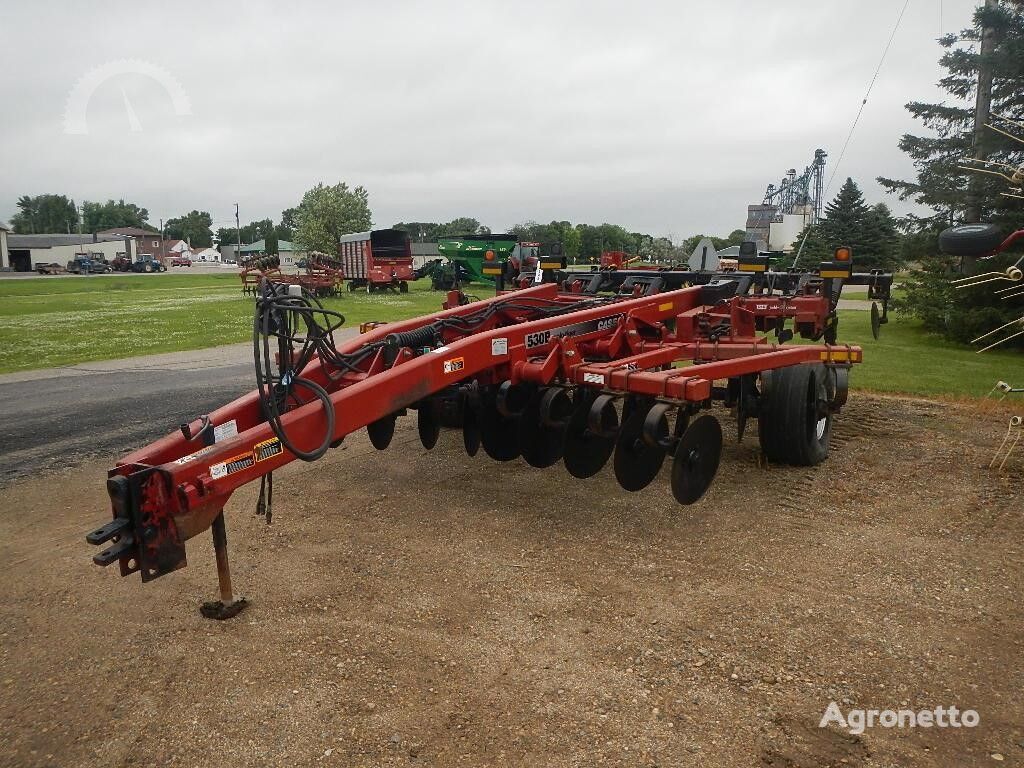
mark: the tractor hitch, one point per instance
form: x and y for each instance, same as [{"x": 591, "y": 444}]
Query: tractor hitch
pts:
[{"x": 143, "y": 536}]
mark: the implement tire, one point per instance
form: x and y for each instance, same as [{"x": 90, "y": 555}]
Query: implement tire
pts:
[{"x": 795, "y": 423}]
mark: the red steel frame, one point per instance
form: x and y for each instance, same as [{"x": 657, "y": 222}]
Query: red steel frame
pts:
[{"x": 628, "y": 346}]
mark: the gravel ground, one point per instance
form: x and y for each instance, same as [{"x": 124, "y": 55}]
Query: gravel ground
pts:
[{"x": 453, "y": 611}]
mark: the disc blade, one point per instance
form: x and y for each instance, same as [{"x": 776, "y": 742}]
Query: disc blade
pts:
[
  {"x": 541, "y": 446},
  {"x": 636, "y": 462},
  {"x": 697, "y": 457},
  {"x": 498, "y": 434},
  {"x": 470, "y": 431},
  {"x": 583, "y": 452},
  {"x": 381, "y": 432},
  {"x": 876, "y": 320},
  {"x": 428, "y": 424}
]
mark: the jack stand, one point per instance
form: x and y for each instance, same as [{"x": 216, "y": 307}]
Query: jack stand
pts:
[{"x": 227, "y": 606}]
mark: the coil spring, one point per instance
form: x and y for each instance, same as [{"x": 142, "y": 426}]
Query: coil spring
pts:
[{"x": 420, "y": 337}]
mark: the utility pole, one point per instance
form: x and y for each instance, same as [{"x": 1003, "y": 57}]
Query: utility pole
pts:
[
  {"x": 238, "y": 237},
  {"x": 160, "y": 255},
  {"x": 982, "y": 109}
]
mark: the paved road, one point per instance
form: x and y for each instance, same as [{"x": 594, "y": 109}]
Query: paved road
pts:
[{"x": 62, "y": 417}]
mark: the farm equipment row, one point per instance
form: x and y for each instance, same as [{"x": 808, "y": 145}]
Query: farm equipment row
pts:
[
  {"x": 577, "y": 368},
  {"x": 321, "y": 277}
]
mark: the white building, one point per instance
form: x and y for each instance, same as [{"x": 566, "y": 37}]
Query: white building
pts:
[
  {"x": 206, "y": 254},
  {"x": 22, "y": 253}
]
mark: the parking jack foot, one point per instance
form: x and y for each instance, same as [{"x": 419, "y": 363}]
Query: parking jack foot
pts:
[{"x": 228, "y": 606}]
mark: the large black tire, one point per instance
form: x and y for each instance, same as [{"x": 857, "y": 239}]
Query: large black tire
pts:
[
  {"x": 148, "y": 267},
  {"x": 970, "y": 240},
  {"x": 795, "y": 423}
]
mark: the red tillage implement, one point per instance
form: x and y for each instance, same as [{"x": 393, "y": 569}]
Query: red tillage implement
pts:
[{"x": 580, "y": 368}]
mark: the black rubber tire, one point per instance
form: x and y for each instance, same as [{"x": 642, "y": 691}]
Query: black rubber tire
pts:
[
  {"x": 148, "y": 268},
  {"x": 792, "y": 402},
  {"x": 403, "y": 287},
  {"x": 970, "y": 240}
]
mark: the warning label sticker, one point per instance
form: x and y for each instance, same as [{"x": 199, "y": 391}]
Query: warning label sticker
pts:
[
  {"x": 267, "y": 449},
  {"x": 499, "y": 347},
  {"x": 194, "y": 456},
  {"x": 454, "y": 365},
  {"x": 593, "y": 378},
  {"x": 225, "y": 430},
  {"x": 232, "y": 465}
]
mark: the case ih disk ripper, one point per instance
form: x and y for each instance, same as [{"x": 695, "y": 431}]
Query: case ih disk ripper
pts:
[{"x": 579, "y": 368}]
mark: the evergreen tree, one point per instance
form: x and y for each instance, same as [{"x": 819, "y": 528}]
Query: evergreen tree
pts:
[
  {"x": 869, "y": 231},
  {"x": 940, "y": 185}
]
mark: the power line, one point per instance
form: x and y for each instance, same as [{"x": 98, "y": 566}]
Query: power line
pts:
[{"x": 871, "y": 85}]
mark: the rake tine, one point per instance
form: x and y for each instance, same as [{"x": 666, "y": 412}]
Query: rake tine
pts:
[
  {"x": 986, "y": 170},
  {"x": 1005, "y": 133},
  {"x": 990, "y": 277},
  {"x": 1015, "y": 421},
  {"x": 1009, "y": 120},
  {"x": 994, "y": 330},
  {"x": 1002, "y": 341},
  {"x": 999, "y": 450},
  {"x": 1010, "y": 450}
]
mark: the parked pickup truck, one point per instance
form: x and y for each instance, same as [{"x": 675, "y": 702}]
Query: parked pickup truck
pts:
[{"x": 181, "y": 261}]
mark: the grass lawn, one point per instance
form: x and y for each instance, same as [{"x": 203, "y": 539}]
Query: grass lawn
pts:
[
  {"x": 49, "y": 322},
  {"x": 906, "y": 359}
]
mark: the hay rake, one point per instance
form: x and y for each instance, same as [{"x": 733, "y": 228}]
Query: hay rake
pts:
[{"x": 578, "y": 368}]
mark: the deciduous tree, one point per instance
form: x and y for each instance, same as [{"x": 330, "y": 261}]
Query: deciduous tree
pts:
[
  {"x": 328, "y": 212},
  {"x": 41, "y": 214}
]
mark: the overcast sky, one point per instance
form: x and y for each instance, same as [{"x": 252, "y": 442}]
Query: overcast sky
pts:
[{"x": 668, "y": 117}]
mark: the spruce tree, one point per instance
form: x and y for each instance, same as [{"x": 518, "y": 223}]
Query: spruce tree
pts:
[
  {"x": 849, "y": 221},
  {"x": 940, "y": 185}
]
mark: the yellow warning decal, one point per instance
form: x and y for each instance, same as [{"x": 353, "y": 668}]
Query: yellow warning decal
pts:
[
  {"x": 835, "y": 273},
  {"x": 491, "y": 270},
  {"x": 752, "y": 267},
  {"x": 668, "y": 306},
  {"x": 267, "y": 449},
  {"x": 841, "y": 356}
]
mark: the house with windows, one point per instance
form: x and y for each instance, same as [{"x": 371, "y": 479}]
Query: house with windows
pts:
[{"x": 146, "y": 240}]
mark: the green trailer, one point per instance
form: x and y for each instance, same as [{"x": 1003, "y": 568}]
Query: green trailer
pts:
[{"x": 469, "y": 252}]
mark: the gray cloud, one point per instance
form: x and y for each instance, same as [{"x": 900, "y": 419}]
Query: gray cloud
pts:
[{"x": 667, "y": 117}]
